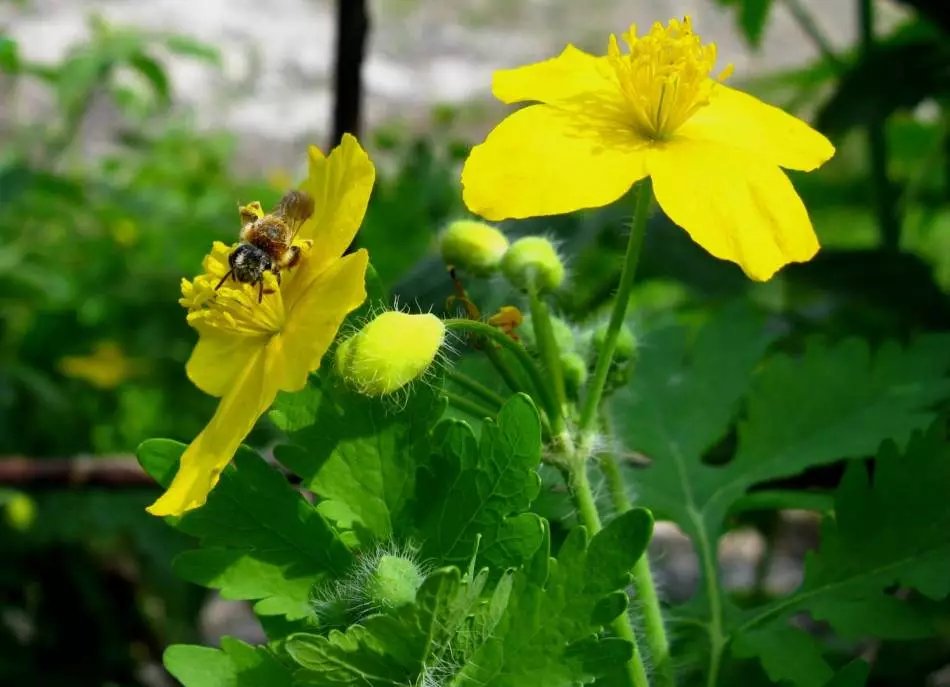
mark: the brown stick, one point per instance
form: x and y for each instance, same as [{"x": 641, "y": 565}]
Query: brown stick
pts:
[{"x": 105, "y": 471}]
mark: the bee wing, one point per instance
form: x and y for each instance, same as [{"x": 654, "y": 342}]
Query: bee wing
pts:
[{"x": 295, "y": 208}]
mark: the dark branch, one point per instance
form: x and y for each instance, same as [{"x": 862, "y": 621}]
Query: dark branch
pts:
[{"x": 351, "y": 30}]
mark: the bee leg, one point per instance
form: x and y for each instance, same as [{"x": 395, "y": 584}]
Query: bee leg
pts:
[
  {"x": 223, "y": 279},
  {"x": 293, "y": 257},
  {"x": 277, "y": 274},
  {"x": 260, "y": 293}
]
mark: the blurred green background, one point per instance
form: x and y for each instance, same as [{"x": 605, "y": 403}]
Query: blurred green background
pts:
[{"x": 93, "y": 246}]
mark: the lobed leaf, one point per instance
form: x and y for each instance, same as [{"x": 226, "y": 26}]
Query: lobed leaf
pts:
[{"x": 260, "y": 540}]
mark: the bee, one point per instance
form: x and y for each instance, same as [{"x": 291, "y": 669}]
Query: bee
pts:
[{"x": 267, "y": 242}]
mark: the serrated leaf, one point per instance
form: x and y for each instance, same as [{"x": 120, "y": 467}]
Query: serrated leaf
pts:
[
  {"x": 236, "y": 664},
  {"x": 547, "y": 636},
  {"x": 855, "y": 674},
  {"x": 391, "y": 649},
  {"x": 891, "y": 531},
  {"x": 831, "y": 403},
  {"x": 483, "y": 487},
  {"x": 787, "y": 654},
  {"x": 260, "y": 539},
  {"x": 359, "y": 454}
]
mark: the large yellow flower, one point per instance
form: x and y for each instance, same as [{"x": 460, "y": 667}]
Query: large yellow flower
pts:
[
  {"x": 248, "y": 351},
  {"x": 714, "y": 153}
]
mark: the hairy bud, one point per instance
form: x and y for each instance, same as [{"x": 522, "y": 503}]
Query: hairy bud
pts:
[
  {"x": 390, "y": 352},
  {"x": 533, "y": 262},
  {"x": 473, "y": 246}
]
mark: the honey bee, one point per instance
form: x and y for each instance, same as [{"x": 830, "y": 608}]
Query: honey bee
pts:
[{"x": 267, "y": 242}]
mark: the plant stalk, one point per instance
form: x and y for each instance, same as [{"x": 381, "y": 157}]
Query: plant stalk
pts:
[
  {"x": 576, "y": 474},
  {"x": 595, "y": 390},
  {"x": 477, "y": 388},
  {"x": 649, "y": 602},
  {"x": 548, "y": 348},
  {"x": 473, "y": 408}
]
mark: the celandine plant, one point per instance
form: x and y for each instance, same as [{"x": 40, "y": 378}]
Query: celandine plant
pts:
[{"x": 410, "y": 553}]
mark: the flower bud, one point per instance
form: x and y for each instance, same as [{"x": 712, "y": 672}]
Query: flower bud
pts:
[
  {"x": 575, "y": 373},
  {"x": 532, "y": 262},
  {"x": 393, "y": 350},
  {"x": 563, "y": 334},
  {"x": 393, "y": 583},
  {"x": 626, "y": 342},
  {"x": 473, "y": 246}
]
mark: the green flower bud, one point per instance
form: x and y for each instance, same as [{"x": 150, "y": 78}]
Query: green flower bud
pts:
[
  {"x": 575, "y": 373},
  {"x": 563, "y": 334},
  {"x": 393, "y": 583},
  {"x": 533, "y": 261},
  {"x": 473, "y": 246},
  {"x": 390, "y": 352},
  {"x": 626, "y": 343}
]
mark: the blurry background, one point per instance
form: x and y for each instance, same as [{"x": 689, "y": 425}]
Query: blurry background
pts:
[{"x": 130, "y": 131}]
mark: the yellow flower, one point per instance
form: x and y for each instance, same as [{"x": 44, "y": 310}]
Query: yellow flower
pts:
[
  {"x": 714, "y": 153},
  {"x": 105, "y": 368},
  {"x": 248, "y": 351}
]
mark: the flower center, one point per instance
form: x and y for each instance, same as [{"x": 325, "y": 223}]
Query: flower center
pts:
[
  {"x": 665, "y": 78},
  {"x": 233, "y": 308}
]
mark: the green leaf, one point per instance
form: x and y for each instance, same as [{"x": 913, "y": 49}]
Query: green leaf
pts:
[
  {"x": 392, "y": 649},
  {"x": 183, "y": 45},
  {"x": 547, "y": 636},
  {"x": 260, "y": 539},
  {"x": 9, "y": 55},
  {"x": 153, "y": 72},
  {"x": 855, "y": 674},
  {"x": 236, "y": 664},
  {"x": 359, "y": 454},
  {"x": 892, "y": 530},
  {"x": 787, "y": 653},
  {"x": 471, "y": 488}
]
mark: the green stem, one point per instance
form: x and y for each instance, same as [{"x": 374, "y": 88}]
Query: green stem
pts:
[
  {"x": 509, "y": 378},
  {"x": 471, "y": 407},
  {"x": 882, "y": 190},
  {"x": 521, "y": 355},
  {"x": 644, "y": 194},
  {"x": 649, "y": 602},
  {"x": 483, "y": 392},
  {"x": 548, "y": 348},
  {"x": 587, "y": 514},
  {"x": 717, "y": 641}
]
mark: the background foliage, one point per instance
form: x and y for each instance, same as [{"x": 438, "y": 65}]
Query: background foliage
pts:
[{"x": 824, "y": 390}]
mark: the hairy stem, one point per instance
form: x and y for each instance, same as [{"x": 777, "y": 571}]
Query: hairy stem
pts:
[
  {"x": 492, "y": 334},
  {"x": 649, "y": 602},
  {"x": 548, "y": 348},
  {"x": 595, "y": 389},
  {"x": 576, "y": 473},
  {"x": 477, "y": 388},
  {"x": 473, "y": 408}
]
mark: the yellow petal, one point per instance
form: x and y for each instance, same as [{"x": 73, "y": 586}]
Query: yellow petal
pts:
[
  {"x": 219, "y": 357},
  {"x": 571, "y": 76},
  {"x": 244, "y": 402},
  {"x": 317, "y": 313},
  {"x": 545, "y": 161},
  {"x": 734, "y": 205},
  {"x": 737, "y": 119},
  {"x": 340, "y": 185}
]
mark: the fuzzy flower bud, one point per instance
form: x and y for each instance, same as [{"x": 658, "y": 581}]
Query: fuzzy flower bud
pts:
[
  {"x": 563, "y": 334},
  {"x": 393, "y": 350},
  {"x": 474, "y": 246},
  {"x": 533, "y": 261},
  {"x": 575, "y": 373},
  {"x": 626, "y": 342},
  {"x": 393, "y": 583}
]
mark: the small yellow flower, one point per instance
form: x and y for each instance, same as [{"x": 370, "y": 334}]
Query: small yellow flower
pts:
[
  {"x": 105, "y": 368},
  {"x": 392, "y": 351},
  {"x": 603, "y": 123},
  {"x": 248, "y": 351}
]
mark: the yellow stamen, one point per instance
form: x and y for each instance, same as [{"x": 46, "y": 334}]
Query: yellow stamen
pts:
[{"x": 666, "y": 77}]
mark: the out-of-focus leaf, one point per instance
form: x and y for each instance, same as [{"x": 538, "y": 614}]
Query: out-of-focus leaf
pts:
[
  {"x": 9, "y": 55},
  {"x": 153, "y": 72},
  {"x": 752, "y": 17}
]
